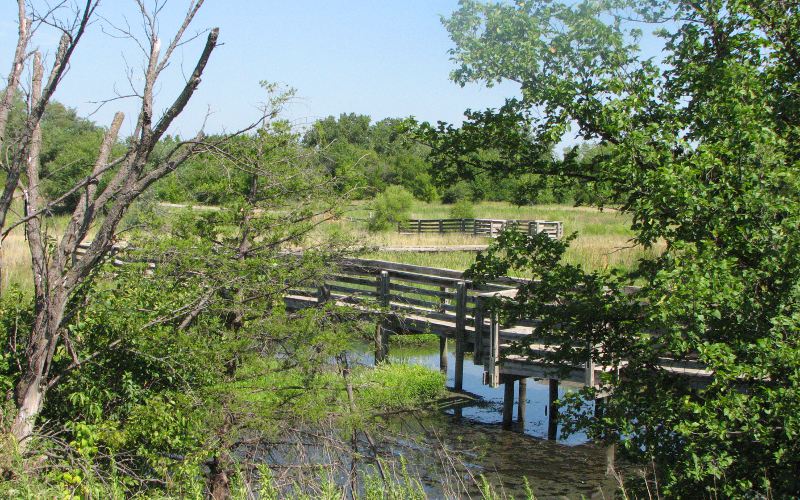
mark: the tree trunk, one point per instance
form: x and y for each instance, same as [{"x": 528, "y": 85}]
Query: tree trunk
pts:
[
  {"x": 219, "y": 482},
  {"x": 32, "y": 385}
]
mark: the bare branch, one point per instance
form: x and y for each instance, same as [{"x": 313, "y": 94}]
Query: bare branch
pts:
[{"x": 16, "y": 70}]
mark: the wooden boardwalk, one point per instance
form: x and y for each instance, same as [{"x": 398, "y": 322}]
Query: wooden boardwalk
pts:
[{"x": 408, "y": 299}]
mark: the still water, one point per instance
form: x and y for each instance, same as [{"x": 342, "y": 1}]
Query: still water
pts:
[{"x": 569, "y": 467}]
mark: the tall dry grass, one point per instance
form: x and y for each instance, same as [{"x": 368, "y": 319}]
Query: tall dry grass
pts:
[{"x": 16, "y": 256}]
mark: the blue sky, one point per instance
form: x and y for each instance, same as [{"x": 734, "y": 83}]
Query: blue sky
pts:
[{"x": 383, "y": 58}]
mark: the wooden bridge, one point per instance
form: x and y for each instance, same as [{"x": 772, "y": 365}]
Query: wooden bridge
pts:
[
  {"x": 481, "y": 227},
  {"x": 408, "y": 299}
]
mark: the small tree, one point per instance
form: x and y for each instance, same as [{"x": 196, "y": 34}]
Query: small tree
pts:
[
  {"x": 461, "y": 190},
  {"x": 390, "y": 208},
  {"x": 462, "y": 209}
]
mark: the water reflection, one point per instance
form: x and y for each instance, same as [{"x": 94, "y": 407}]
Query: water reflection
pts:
[{"x": 490, "y": 409}]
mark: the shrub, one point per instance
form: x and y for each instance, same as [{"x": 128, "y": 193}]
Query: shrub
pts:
[
  {"x": 390, "y": 207},
  {"x": 462, "y": 209},
  {"x": 459, "y": 191}
]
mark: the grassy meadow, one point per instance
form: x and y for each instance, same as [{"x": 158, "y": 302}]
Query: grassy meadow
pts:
[{"x": 603, "y": 241}]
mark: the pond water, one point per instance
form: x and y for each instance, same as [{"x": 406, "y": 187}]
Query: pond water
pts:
[{"x": 568, "y": 467}]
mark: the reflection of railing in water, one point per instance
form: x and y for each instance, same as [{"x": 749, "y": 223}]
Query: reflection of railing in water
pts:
[{"x": 481, "y": 227}]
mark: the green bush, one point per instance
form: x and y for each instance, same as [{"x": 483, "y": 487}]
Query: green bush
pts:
[
  {"x": 459, "y": 191},
  {"x": 390, "y": 207},
  {"x": 462, "y": 209}
]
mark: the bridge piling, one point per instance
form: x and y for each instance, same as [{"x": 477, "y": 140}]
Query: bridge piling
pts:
[
  {"x": 508, "y": 402},
  {"x": 522, "y": 403},
  {"x": 552, "y": 410},
  {"x": 478, "y": 324},
  {"x": 460, "y": 334},
  {"x": 381, "y": 343}
]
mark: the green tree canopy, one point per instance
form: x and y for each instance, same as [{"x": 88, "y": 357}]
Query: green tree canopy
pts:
[{"x": 699, "y": 143}]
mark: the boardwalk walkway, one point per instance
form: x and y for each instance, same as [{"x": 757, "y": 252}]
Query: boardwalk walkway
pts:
[{"x": 408, "y": 299}]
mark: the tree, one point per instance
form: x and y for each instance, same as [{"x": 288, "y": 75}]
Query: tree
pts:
[
  {"x": 701, "y": 150},
  {"x": 59, "y": 270},
  {"x": 390, "y": 208}
]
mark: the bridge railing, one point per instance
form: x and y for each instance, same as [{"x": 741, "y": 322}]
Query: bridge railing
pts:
[{"x": 481, "y": 227}]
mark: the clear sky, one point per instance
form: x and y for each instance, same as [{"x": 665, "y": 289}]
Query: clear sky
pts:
[{"x": 383, "y": 58}]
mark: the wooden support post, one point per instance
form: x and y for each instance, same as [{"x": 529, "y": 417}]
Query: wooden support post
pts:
[
  {"x": 441, "y": 226},
  {"x": 463, "y": 226},
  {"x": 522, "y": 403},
  {"x": 552, "y": 411},
  {"x": 443, "y": 354},
  {"x": 442, "y": 299},
  {"x": 323, "y": 294},
  {"x": 508, "y": 402},
  {"x": 599, "y": 403},
  {"x": 381, "y": 332},
  {"x": 383, "y": 288},
  {"x": 381, "y": 343},
  {"x": 477, "y": 356},
  {"x": 492, "y": 369},
  {"x": 461, "y": 330}
]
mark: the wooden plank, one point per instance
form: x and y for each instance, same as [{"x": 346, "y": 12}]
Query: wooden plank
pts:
[
  {"x": 352, "y": 279},
  {"x": 422, "y": 291},
  {"x": 402, "y": 299},
  {"x": 352, "y": 290},
  {"x": 378, "y": 265},
  {"x": 424, "y": 278}
]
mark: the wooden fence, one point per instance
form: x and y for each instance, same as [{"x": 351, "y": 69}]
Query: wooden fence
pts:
[{"x": 481, "y": 227}]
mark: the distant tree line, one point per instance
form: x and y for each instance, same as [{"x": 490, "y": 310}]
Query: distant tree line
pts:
[{"x": 364, "y": 157}]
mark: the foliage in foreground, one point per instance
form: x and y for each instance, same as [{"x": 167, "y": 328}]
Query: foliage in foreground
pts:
[{"x": 702, "y": 152}]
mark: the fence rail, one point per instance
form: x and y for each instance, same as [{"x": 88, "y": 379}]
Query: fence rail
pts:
[{"x": 481, "y": 227}]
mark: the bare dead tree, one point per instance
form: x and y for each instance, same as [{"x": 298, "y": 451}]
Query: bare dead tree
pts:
[
  {"x": 16, "y": 150},
  {"x": 60, "y": 269}
]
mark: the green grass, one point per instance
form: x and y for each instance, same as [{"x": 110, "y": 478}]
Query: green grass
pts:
[
  {"x": 422, "y": 339},
  {"x": 604, "y": 238}
]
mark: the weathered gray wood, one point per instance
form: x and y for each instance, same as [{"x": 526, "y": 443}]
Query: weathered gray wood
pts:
[
  {"x": 349, "y": 290},
  {"x": 383, "y": 288},
  {"x": 522, "y": 403},
  {"x": 323, "y": 293},
  {"x": 461, "y": 326},
  {"x": 441, "y": 293},
  {"x": 478, "y": 316},
  {"x": 355, "y": 280},
  {"x": 492, "y": 369},
  {"x": 381, "y": 343},
  {"x": 403, "y": 299}
]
